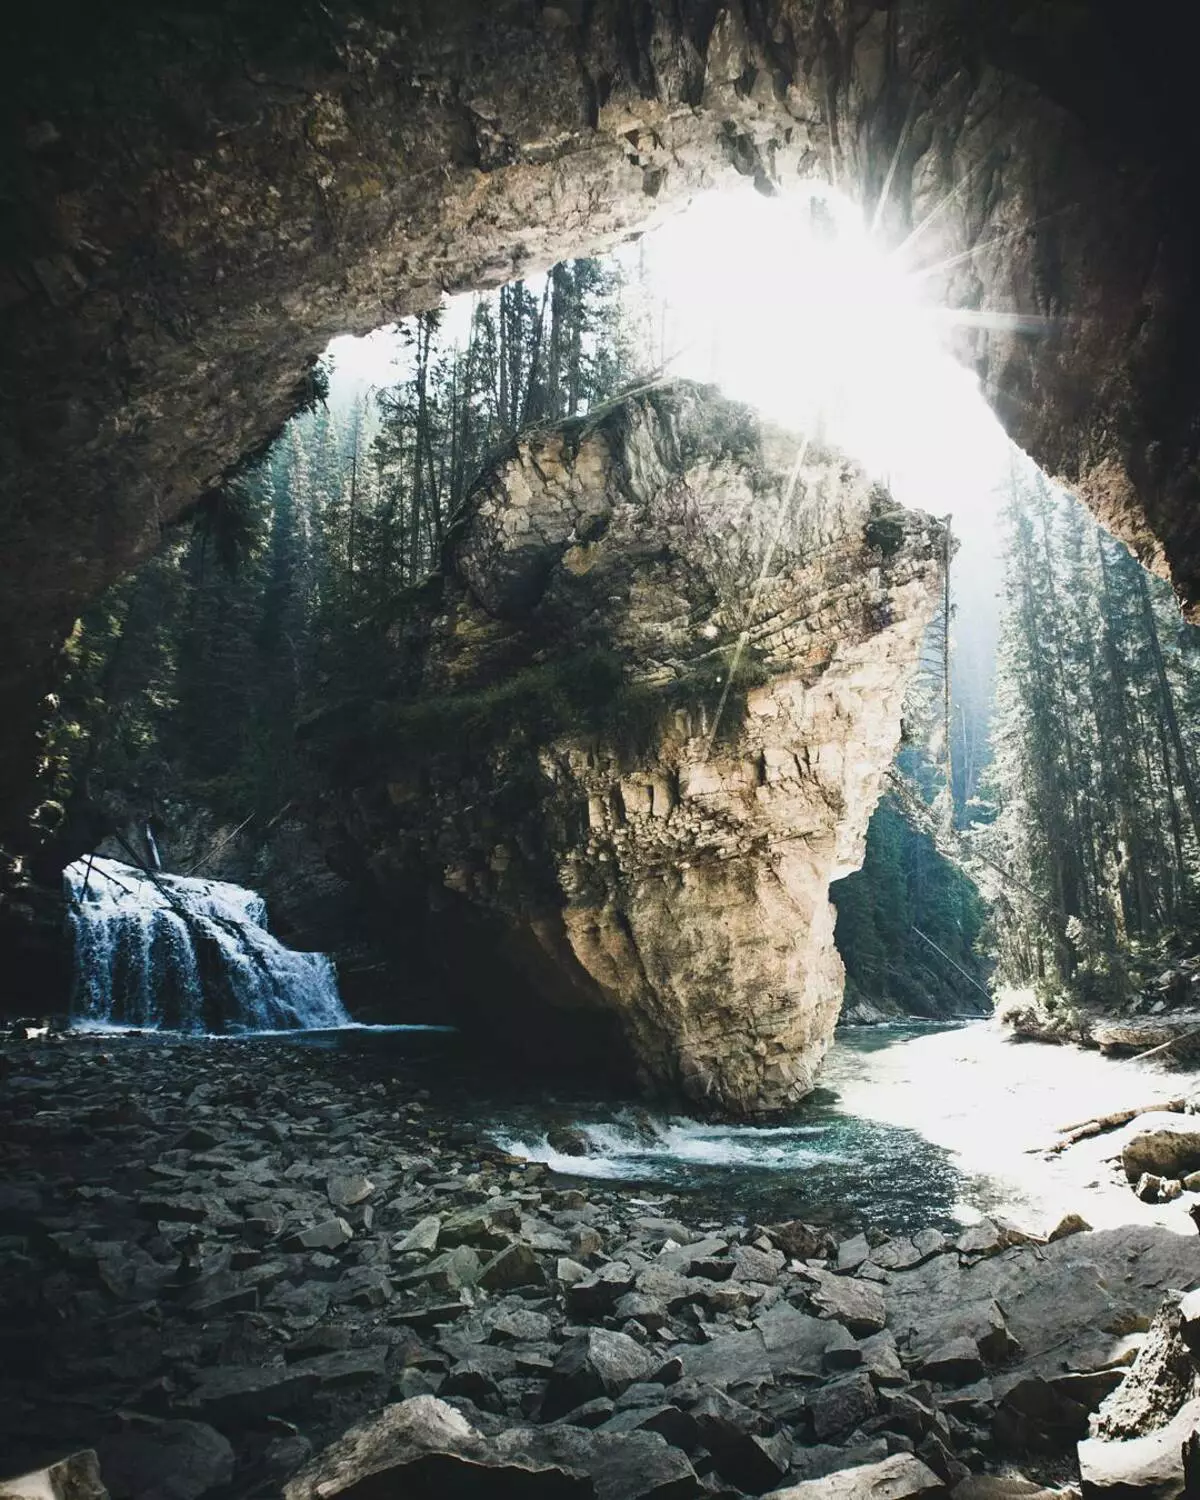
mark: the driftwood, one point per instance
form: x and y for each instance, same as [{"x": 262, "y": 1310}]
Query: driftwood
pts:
[{"x": 1081, "y": 1130}]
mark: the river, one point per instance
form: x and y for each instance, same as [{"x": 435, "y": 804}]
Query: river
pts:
[{"x": 912, "y": 1126}]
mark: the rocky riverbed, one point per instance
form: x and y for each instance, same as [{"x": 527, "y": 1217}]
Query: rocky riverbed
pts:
[{"x": 235, "y": 1267}]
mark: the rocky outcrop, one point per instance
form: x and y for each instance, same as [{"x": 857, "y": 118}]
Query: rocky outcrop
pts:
[
  {"x": 195, "y": 204},
  {"x": 649, "y": 713}
]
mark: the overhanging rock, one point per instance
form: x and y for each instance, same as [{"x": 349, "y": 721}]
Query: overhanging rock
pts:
[{"x": 639, "y": 726}]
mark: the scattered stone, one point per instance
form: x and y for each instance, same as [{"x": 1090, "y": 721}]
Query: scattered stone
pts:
[
  {"x": 901, "y": 1477},
  {"x": 955, "y": 1363},
  {"x": 598, "y": 1363},
  {"x": 422, "y": 1236},
  {"x": 597, "y": 1295},
  {"x": 514, "y": 1266},
  {"x": 744, "y": 1456},
  {"x": 425, "y": 1447},
  {"x": 838, "y": 1408},
  {"x": 171, "y": 1460},
  {"x": 860, "y": 1306},
  {"x": 1153, "y": 1189},
  {"x": 729, "y": 1361},
  {"x": 332, "y": 1234},
  {"x": 348, "y": 1189}
]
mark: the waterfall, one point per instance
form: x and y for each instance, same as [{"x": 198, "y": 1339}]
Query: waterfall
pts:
[{"x": 189, "y": 955}]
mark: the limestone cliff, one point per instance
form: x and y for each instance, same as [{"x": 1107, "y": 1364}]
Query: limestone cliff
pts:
[{"x": 622, "y": 827}]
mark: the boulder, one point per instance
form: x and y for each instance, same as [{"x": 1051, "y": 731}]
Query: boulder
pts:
[
  {"x": 517, "y": 1265},
  {"x": 1157, "y": 1384},
  {"x": 1150, "y": 1466},
  {"x": 901, "y": 1477},
  {"x": 598, "y": 1363},
  {"x": 424, "y": 1449},
  {"x": 422, "y": 1236},
  {"x": 857, "y": 1304},
  {"x": 76, "y": 1477},
  {"x": 1161, "y": 1143},
  {"x": 173, "y": 1460},
  {"x": 348, "y": 1189},
  {"x": 955, "y": 1363},
  {"x": 330, "y": 1234},
  {"x": 838, "y": 1408}
]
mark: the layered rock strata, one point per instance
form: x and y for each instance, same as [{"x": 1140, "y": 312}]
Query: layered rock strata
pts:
[{"x": 645, "y": 725}]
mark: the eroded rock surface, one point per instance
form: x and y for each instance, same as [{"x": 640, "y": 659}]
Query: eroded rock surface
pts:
[
  {"x": 195, "y": 206},
  {"x": 644, "y": 728}
]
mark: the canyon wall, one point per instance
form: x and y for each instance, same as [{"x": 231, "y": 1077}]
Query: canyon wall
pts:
[
  {"x": 196, "y": 201},
  {"x": 634, "y": 731}
]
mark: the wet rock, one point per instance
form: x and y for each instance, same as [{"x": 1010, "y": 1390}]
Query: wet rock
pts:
[
  {"x": 568, "y": 1140},
  {"x": 331, "y": 1234},
  {"x": 901, "y": 1477},
  {"x": 800, "y": 1241},
  {"x": 1151, "y": 1466},
  {"x": 859, "y": 1306},
  {"x": 1162, "y": 1144},
  {"x": 599, "y": 1363},
  {"x": 76, "y": 1477},
  {"x": 838, "y": 1408},
  {"x": 165, "y": 1460}
]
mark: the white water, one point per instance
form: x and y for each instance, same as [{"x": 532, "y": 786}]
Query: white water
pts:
[
  {"x": 187, "y": 955},
  {"x": 639, "y": 1147},
  {"x": 910, "y": 1126}
]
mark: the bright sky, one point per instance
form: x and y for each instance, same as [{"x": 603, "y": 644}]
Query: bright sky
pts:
[{"x": 787, "y": 303}]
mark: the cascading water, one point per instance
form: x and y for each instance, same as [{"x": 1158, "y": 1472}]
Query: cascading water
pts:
[{"x": 188, "y": 955}]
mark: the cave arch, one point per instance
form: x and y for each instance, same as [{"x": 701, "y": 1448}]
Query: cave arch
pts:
[{"x": 197, "y": 200}]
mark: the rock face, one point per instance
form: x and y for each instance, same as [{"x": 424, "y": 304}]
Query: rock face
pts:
[
  {"x": 195, "y": 206},
  {"x": 655, "y": 696}
]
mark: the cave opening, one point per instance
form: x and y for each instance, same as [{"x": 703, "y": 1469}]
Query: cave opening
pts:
[{"x": 602, "y": 768}]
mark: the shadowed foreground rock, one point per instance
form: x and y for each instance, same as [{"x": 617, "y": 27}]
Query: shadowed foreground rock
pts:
[
  {"x": 643, "y": 727},
  {"x": 158, "y": 1306}
]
